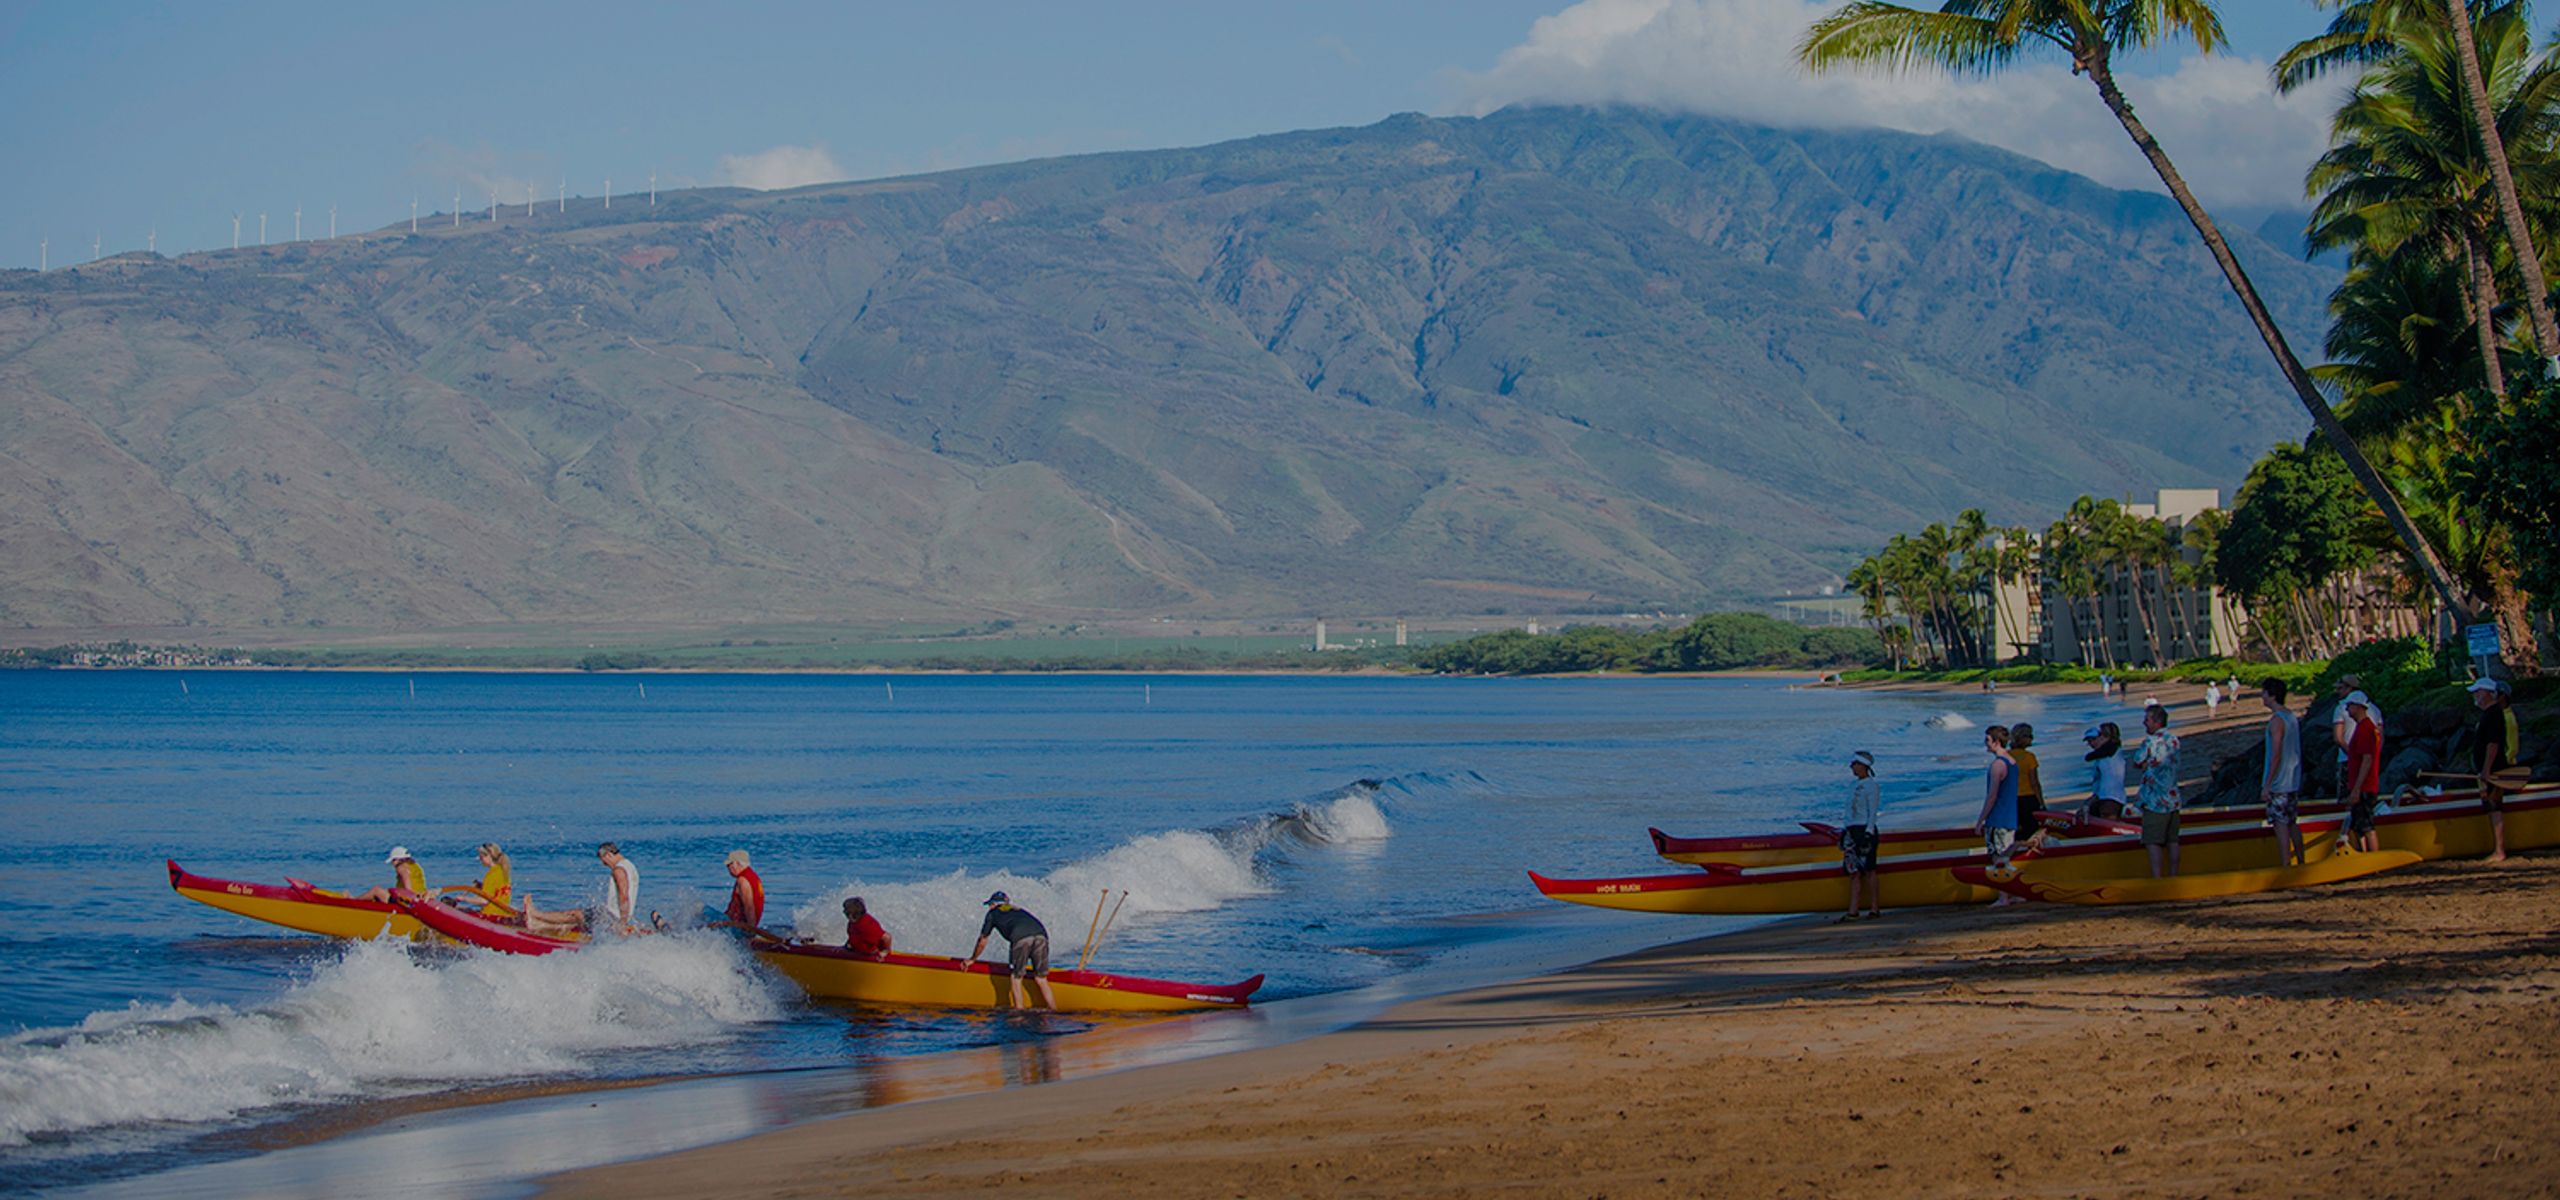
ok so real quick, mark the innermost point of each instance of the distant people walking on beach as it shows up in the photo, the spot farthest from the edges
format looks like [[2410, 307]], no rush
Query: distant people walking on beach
[[2159, 799], [2030, 785], [1029, 942], [2280, 783], [863, 933], [2360, 784], [2212, 700], [1859, 837], [1998, 823], [2494, 749], [2106, 770], [2340, 728]]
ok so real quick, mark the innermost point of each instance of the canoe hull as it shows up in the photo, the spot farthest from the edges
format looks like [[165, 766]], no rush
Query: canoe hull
[[2025, 883], [300, 908], [1821, 843], [472, 929], [833, 973]]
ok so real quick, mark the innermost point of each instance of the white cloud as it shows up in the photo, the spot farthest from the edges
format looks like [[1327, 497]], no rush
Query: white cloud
[[781, 167], [2231, 136]]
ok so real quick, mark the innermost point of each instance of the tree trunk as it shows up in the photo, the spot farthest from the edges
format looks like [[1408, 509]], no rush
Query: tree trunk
[[2420, 551], [2484, 310], [2537, 293]]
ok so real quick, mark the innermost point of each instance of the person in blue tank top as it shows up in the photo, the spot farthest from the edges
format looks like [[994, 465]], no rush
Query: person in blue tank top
[[1998, 823]]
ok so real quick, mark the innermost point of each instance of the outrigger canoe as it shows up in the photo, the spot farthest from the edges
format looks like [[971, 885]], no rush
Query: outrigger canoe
[[1905, 881], [2029, 883], [1820, 843], [296, 905], [835, 973], [472, 929]]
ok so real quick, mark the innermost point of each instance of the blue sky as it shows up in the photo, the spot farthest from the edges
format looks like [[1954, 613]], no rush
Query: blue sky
[[127, 117]]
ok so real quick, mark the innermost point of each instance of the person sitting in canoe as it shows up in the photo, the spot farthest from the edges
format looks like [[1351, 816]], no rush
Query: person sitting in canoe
[[863, 933], [406, 876], [1029, 940], [616, 913], [497, 895], [746, 896]]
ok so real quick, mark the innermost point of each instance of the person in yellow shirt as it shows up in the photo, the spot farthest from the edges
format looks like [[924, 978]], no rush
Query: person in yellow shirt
[[2031, 833], [406, 876], [495, 889]]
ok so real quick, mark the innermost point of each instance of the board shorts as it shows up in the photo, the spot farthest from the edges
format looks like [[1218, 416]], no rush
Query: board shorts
[[1999, 840], [2029, 824], [1030, 956], [2360, 817], [2284, 806], [2492, 799], [1858, 849], [2107, 809], [2159, 828]]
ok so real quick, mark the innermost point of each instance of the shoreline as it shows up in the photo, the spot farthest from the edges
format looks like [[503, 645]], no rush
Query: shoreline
[[2278, 1044]]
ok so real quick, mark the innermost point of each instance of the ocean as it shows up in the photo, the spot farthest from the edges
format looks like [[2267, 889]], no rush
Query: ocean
[[1335, 834]]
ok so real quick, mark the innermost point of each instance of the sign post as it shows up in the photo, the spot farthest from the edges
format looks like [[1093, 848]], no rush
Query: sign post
[[2484, 645]]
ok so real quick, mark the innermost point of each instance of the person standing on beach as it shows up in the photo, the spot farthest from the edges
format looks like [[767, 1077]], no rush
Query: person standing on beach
[[1860, 836], [2341, 728], [2280, 783], [2030, 786], [2106, 770], [1998, 823], [2494, 749], [2360, 783], [2212, 699], [1029, 942], [2159, 799]]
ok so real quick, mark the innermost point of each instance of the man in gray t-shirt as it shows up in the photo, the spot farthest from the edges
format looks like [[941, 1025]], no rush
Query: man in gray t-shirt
[[1028, 940]]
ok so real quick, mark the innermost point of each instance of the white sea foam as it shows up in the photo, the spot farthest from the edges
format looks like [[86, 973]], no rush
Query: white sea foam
[[1185, 870], [380, 1020], [1949, 720]]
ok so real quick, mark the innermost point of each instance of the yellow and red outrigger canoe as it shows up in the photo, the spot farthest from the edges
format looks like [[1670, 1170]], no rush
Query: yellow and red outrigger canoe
[[1820, 843], [472, 929], [296, 905], [835, 973], [2326, 865]]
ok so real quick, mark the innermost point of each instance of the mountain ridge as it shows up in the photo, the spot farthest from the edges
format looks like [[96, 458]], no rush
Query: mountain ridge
[[1649, 360]]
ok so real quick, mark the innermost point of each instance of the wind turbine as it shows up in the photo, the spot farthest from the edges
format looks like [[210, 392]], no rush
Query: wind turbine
[[653, 189], [608, 191], [493, 204], [333, 222], [262, 229], [154, 243], [564, 193], [457, 208], [297, 222], [44, 254], [96, 242], [413, 214], [532, 192], [235, 231]]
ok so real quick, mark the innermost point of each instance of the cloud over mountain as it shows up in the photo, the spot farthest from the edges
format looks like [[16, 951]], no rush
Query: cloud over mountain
[[2235, 139]]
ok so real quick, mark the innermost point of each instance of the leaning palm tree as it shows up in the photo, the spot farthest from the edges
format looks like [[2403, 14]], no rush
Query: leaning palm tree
[[1982, 36], [2366, 32]]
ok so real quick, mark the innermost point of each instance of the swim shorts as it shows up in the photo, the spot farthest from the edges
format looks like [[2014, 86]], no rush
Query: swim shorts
[[2159, 828], [2360, 817], [2492, 799], [2284, 806], [1858, 849], [2107, 809], [1030, 956], [1999, 840]]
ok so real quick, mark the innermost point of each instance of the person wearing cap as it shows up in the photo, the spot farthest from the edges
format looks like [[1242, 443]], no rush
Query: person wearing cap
[[2494, 749], [406, 876], [1029, 942], [746, 894], [2360, 784], [2280, 781], [1859, 837], [2159, 799], [2341, 728], [2106, 770]]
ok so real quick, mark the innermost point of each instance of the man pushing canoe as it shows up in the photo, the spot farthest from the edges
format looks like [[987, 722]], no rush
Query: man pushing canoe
[[1029, 942]]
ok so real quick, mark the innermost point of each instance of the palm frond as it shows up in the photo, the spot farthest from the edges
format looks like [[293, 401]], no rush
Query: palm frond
[[1896, 38]]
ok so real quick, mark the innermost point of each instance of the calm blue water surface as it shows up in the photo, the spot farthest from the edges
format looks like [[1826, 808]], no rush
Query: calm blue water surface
[[1331, 833]]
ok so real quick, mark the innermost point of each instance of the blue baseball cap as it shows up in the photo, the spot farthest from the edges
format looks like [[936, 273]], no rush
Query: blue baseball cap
[[998, 898]]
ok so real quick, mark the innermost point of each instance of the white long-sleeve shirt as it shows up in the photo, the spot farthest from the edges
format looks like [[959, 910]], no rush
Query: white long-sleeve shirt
[[1865, 798]]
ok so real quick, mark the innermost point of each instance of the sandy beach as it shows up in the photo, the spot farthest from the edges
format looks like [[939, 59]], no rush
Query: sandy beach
[[2389, 1036]]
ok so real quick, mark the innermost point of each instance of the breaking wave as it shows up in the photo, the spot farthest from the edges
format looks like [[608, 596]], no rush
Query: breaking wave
[[381, 1020], [1184, 870], [1949, 720]]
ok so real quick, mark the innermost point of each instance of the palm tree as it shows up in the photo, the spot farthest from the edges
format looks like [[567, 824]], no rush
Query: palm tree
[[2371, 31], [1982, 36], [2404, 176]]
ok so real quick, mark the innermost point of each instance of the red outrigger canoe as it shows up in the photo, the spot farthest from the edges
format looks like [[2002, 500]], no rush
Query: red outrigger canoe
[[473, 929], [295, 905]]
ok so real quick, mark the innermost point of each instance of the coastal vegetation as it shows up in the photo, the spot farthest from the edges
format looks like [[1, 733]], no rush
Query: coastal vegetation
[[1727, 641], [2425, 498]]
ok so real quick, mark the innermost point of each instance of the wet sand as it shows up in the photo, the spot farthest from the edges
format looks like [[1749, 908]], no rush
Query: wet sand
[[2390, 1036]]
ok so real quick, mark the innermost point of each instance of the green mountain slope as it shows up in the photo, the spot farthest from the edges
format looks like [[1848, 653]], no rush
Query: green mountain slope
[[1543, 359]]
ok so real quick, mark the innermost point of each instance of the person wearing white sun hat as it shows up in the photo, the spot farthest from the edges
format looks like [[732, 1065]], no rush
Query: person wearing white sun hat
[[1859, 837], [406, 875]]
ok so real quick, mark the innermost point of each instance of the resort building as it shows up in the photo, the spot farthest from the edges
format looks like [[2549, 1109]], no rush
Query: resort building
[[2031, 618]]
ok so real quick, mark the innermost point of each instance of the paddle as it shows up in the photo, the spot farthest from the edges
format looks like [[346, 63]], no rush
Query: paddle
[[2505, 779]]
